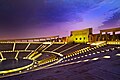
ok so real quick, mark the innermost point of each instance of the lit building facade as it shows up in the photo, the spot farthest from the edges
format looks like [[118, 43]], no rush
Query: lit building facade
[[80, 36]]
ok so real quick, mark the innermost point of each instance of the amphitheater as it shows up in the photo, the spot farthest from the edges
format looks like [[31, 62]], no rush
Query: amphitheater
[[53, 60]]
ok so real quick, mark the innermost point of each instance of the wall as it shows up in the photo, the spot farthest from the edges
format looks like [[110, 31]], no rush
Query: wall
[[80, 36]]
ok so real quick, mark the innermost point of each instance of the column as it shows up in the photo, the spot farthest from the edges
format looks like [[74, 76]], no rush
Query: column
[[113, 38], [100, 36], [106, 37]]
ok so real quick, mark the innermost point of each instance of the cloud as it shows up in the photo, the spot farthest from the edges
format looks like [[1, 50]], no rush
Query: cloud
[[113, 21], [114, 9], [17, 16], [40, 11]]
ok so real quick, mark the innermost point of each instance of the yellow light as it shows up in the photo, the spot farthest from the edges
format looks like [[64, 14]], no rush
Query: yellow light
[[68, 59], [106, 57], [102, 51], [72, 54], [95, 59], [47, 42], [118, 47], [85, 60], [117, 54], [89, 54], [72, 59], [65, 60], [66, 56], [112, 48], [75, 58], [107, 50], [27, 68], [79, 61], [19, 71], [92, 48], [93, 53], [78, 57], [98, 52], [82, 56]]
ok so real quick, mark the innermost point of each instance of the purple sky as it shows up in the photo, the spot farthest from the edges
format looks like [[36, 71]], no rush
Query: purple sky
[[38, 18]]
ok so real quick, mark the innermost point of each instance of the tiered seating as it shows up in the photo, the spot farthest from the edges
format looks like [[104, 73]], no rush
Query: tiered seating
[[64, 47], [33, 54], [102, 69], [92, 53], [80, 46], [33, 46], [96, 52], [44, 56], [9, 55], [43, 47], [48, 59], [21, 46], [54, 46], [85, 66], [36, 55], [6, 46], [23, 54]]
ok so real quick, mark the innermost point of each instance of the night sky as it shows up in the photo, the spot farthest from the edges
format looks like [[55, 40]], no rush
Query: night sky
[[38, 18]]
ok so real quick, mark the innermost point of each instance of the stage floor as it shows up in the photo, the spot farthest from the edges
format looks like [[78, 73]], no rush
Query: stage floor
[[10, 64]]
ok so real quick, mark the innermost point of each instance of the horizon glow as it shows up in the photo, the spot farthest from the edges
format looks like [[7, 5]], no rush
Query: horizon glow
[[38, 18]]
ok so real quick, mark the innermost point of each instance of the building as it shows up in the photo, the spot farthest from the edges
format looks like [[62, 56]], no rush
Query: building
[[112, 34], [80, 36], [86, 35]]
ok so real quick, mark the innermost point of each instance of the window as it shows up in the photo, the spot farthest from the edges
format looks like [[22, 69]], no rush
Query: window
[[80, 38], [84, 38]]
